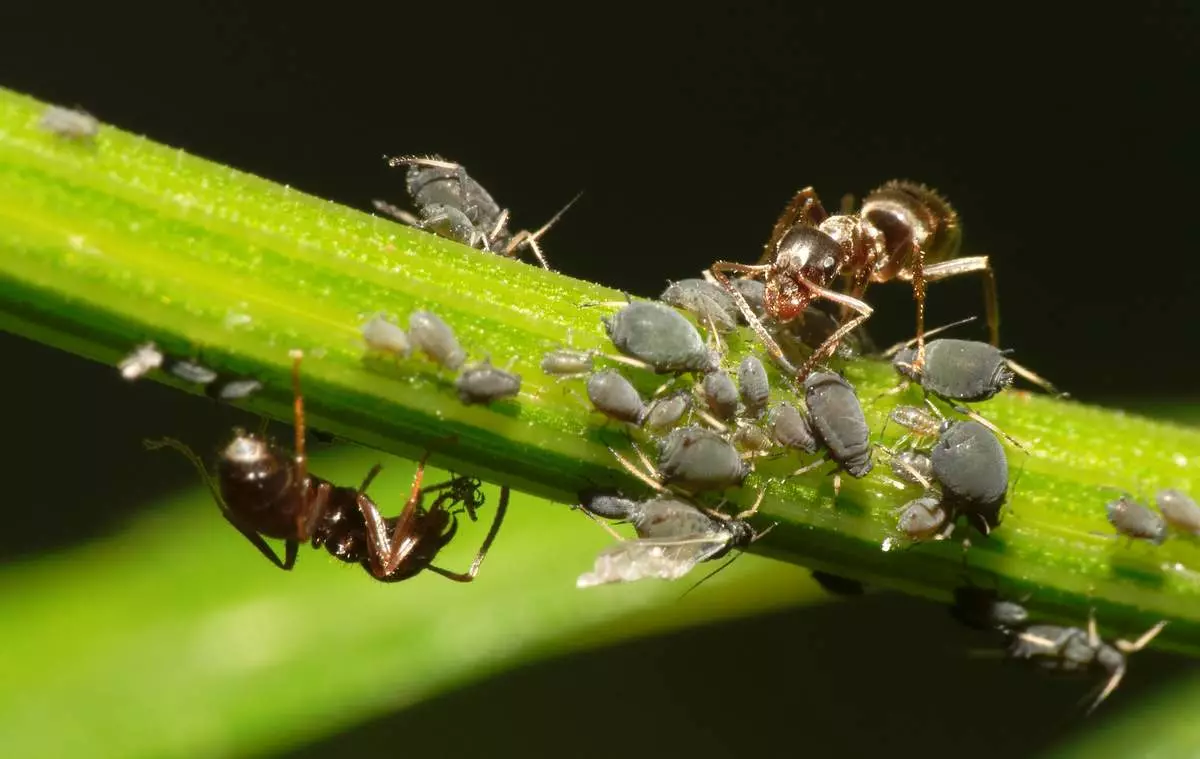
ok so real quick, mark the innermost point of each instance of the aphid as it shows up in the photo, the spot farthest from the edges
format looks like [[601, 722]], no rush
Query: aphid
[[265, 493], [435, 339], [925, 518], [697, 459], [1180, 511], [190, 371], [616, 397], [983, 609], [1135, 521], [666, 412], [751, 438], [970, 465], [921, 423], [69, 124], [720, 395], [791, 429], [753, 386], [837, 420], [142, 359], [453, 205], [673, 537], [707, 300], [484, 383], [838, 585], [904, 231], [913, 467], [234, 390], [381, 335], [565, 362], [962, 370], [660, 337], [1070, 649]]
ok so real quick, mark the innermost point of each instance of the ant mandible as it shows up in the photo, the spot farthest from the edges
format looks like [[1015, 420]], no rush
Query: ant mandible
[[265, 493], [904, 231]]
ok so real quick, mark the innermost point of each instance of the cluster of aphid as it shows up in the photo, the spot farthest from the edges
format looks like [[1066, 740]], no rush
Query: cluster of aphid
[[148, 357], [708, 432]]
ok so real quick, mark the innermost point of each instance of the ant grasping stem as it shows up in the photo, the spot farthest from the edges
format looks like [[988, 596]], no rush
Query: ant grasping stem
[[265, 493]]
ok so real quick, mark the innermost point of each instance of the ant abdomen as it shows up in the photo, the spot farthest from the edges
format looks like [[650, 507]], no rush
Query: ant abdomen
[[256, 480], [911, 215]]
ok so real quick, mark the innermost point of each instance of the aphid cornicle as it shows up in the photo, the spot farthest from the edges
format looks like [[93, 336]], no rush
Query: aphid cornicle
[[266, 493], [660, 337]]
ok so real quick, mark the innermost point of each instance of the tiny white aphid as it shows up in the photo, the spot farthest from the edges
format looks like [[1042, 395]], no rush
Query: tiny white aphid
[[143, 358], [238, 389], [381, 335], [69, 123]]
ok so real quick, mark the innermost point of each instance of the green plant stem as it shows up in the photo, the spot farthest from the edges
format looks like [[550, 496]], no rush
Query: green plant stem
[[108, 245]]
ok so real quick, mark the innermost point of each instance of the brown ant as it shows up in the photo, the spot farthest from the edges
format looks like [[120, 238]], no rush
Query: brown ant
[[265, 493], [903, 231]]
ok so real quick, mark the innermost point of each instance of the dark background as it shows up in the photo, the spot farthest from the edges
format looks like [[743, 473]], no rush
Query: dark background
[[1068, 143]]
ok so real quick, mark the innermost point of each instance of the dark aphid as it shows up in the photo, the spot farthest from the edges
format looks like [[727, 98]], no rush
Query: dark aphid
[[190, 371], [381, 335], [607, 504], [838, 585], [913, 467], [969, 463], [666, 412], [962, 370], [142, 359], [616, 397], [484, 383], [1180, 511], [435, 339], [751, 438], [791, 429], [812, 329], [708, 301], [984, 609], [234, 389], [698, 459], [70, 124], [660, 337], [1135, 521], [720, 395], [753, 386], [265, 492], [837, 419], [1070, 649], [925, 518], [565, 362], [673, 537]]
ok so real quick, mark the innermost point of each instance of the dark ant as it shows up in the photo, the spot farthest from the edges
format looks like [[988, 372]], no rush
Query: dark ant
[[903, 231], [264, 493]]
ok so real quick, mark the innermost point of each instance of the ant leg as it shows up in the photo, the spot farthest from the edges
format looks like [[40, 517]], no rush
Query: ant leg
[[385, 553], [918, 284], [718, 270], [1128, 648], [804, 208], [255, 539], [831, 342], [306, 519], [469, 575], [966, 265]]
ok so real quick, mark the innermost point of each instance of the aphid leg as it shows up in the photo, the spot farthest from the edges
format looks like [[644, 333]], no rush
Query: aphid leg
[[1108, 688], [396, 212], [607, 527], [809, 467], [1035, 378], [718, 270], [469, 575], [837, 484], [991, 426], [826, 348], [920, 478], [967, 265], [929, 333], [744, 514], [1127, 647], [290, 547], [710, 420], [629, 467]]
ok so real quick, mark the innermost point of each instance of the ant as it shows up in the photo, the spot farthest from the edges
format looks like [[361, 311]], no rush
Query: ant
[[264, 493], [904, 231]]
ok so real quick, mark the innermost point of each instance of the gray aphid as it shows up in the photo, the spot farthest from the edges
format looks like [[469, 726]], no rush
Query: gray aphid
[[970, 464], [189, 371], [720, 395], [484, 383], [615, 396], [923, 518], [1180, 511], [381, 335], [435, 339], [1133, 520], [666, 412], [960, 370], [69, 123], [237, 389], [753, 386], [696, 459], [566, 362], [751, 437], [791, 429], [707, 300], [659, 336], [837, 419]]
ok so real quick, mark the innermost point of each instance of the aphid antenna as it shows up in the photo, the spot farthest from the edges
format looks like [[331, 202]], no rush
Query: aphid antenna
[[928, 333], [396, 212], [975, 417], [411, 160], [1035, 378], [531, 238], [607, 527]]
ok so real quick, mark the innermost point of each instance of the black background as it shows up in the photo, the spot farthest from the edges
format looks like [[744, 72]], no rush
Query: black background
[[1067, 142]]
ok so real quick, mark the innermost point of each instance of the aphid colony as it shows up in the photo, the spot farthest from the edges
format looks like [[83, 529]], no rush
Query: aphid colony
[[710, 421]]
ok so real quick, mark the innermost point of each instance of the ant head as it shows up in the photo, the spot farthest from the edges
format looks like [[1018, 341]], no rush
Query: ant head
[[251, 470]]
